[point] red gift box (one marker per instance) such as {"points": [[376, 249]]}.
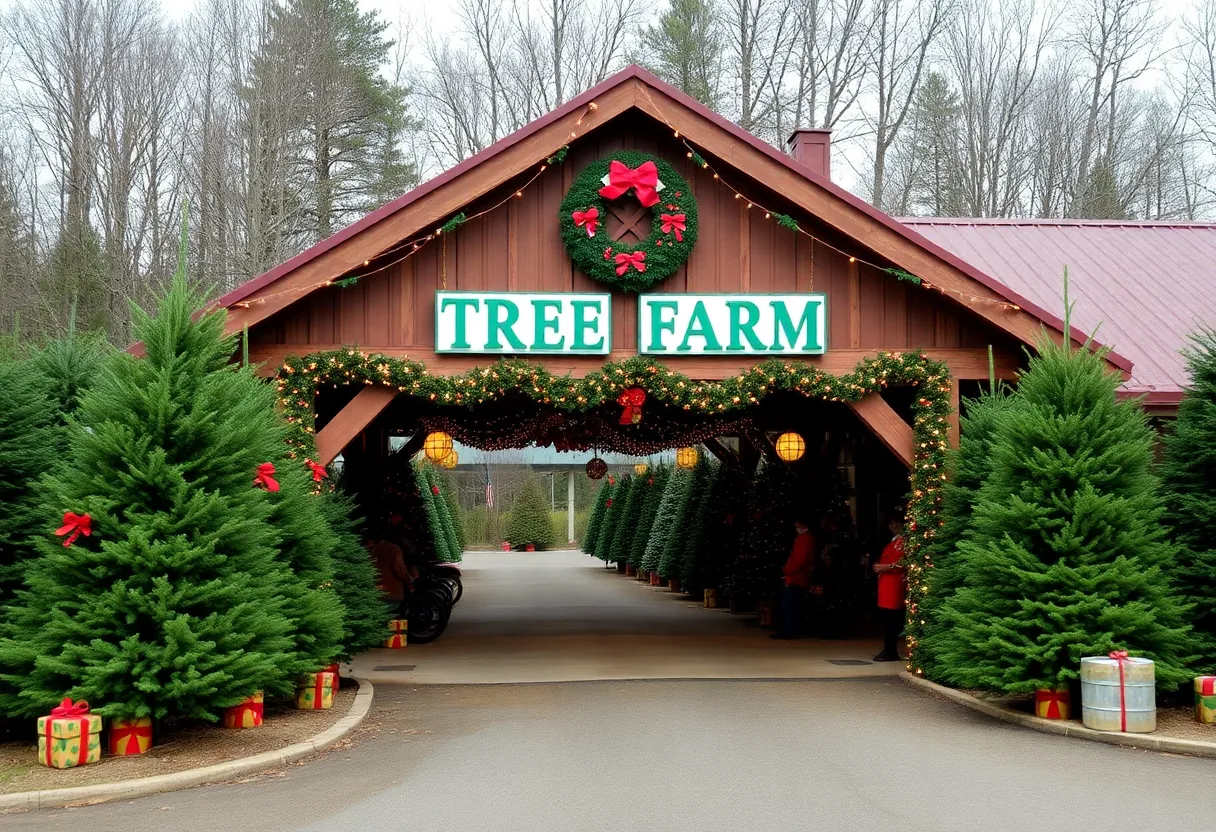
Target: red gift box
{"points": [[334, 669], [129, 737], [248, 714], [1051, 704]]}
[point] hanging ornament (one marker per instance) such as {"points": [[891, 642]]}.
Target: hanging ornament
{"points": [[74, 525], [450, 461], [437, 445], [686, 457], [265, 477], [596, 468], [631, 401], [790, 446], [640, 468]]}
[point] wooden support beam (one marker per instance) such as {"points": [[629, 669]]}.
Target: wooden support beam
{"points": [[414, 444], [952, 419], [351, 420], [891, 430], [724, 454]]}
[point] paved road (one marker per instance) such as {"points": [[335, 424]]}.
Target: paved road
{"points": [[705, 754]]}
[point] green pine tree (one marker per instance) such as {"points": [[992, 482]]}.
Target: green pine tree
{"points": [[1189, 477], [1067, 556], [455, 512], [596, 521], [620, 494], [530, 523], [355, 581], [970, 466], [665, 518], [176, 603], [672, 556], [627, 523], [655, 483], [447, 527], [436, 531]]}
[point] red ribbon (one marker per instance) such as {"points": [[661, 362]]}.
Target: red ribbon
{"points": [[631, 400], [319, 689], [674, 222], [318, 470], [1120, 656], [130, 733], [74, 525], [637, 259], [589, 218], [69, 710], [1207, 686], [642, 180], [265, 477]]}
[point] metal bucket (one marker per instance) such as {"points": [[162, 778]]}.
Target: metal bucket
{"points": [[1100, 695]]}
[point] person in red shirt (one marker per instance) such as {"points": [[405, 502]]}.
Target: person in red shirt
{"points": [[892, 587], [797, 575]]}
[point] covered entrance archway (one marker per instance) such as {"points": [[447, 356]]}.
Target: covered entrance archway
{"points": [[499, 302]]}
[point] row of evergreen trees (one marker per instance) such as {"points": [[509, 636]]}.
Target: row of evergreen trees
{"points": [[193, 586], [1057, 538]]}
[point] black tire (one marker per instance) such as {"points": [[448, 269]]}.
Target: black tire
{"points": [[429, 613]]}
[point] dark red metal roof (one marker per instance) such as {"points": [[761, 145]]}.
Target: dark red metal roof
{"points": [[1143, 287]]}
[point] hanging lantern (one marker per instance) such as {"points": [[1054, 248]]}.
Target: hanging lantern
{"points": [[437, 446], [790, 446], [686, 457], [640, 468], [450, 460], [596, 468]]}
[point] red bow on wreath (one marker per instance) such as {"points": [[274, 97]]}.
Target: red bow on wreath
{"points": [[642, 180], [676, 223], [265, 478], [74, 525], [589, 218], [632, 400], [637, 259], [318, 470]]}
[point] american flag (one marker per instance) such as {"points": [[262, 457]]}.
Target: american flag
{"points": [[489, 496]]}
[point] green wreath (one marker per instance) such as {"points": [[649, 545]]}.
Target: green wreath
{"points": [[631, 267]]}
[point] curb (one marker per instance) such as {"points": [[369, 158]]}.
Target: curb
{"points": [[1067, 728], [218, 773]]}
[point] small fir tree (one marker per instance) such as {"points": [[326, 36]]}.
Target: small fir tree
{"points": [[530, 523], [1067, 555], [683, 532], [1189, 475], [455, 512], [596, 520], [176, 603], [620, 493], [436, 531], [447, 528], [623, 532], [684, 555], [721, 518], [665, 518], [656, 482], [356, 581]]}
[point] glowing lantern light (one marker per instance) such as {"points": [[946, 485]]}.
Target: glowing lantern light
{"points": [[790, 446], [686, 457], [451, 459], [437, 446], [640, 468]]}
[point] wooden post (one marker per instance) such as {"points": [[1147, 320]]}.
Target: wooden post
{"points": [[351, 420], [891, 430]]}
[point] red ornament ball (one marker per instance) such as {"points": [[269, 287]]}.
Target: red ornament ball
{"points": [[596, 468], [435, 490]]}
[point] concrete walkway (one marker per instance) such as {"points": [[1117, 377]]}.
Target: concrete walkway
{"points": [[562, 617]]}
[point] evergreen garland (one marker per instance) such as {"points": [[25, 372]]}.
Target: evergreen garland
{"points": [[596, 521], [656, 482], [1189, 475], [664, 251], [1067, 555]]}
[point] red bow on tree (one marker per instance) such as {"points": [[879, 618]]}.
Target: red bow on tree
{"points": [[674, 222], [265, 478], [642, 180], [74, 525], [318, 470], [435, 490], [631, 400], [637, 259], [588, 219]]}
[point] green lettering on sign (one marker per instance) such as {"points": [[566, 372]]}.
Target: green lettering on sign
{"points": [[460, 340], [546, 324], [747, 328], [784, 325], [501, 324], [584, 324], [658, 326], [700, 327]]}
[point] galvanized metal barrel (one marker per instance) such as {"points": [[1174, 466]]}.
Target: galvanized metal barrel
{"points": [[1103, 705]]}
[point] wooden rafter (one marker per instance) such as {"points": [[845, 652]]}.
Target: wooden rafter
{"points": [[351, 420], [891, 430]]}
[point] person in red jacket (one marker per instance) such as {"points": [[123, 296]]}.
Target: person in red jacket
{"points": [[797, 574], [892, 587]]}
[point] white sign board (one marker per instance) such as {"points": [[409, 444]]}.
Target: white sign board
{"points": [[523, 323], [732, 324]]}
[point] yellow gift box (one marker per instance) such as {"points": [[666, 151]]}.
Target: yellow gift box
{"points": [[129, 737], [398, 625], [1205, 699], [248, 714], [70, 736], [396, 641], [315, 692]]}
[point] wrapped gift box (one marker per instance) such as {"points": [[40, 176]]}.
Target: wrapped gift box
{"points": [[1051, 704], [315, 692], [248, 714], [70, 736], [129, 737], [1205, 699], [396, 641], [398, 625], [334, 669]]}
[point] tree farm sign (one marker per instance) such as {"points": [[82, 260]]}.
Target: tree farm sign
{"points": [[538, 323]]}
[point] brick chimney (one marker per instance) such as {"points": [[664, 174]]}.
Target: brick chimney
{"points": [[813, 148]]}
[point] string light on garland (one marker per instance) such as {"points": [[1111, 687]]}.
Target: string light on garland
{"points": [[437, 445]]}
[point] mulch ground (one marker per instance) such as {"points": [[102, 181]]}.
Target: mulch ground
{"points": [[1172, 721], [178, 747]]}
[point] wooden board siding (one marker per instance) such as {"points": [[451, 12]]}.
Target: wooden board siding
{"points": [[518, 248]]}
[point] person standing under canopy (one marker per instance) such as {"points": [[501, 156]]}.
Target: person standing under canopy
{"points": [[892, 587], [797, 574]]}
